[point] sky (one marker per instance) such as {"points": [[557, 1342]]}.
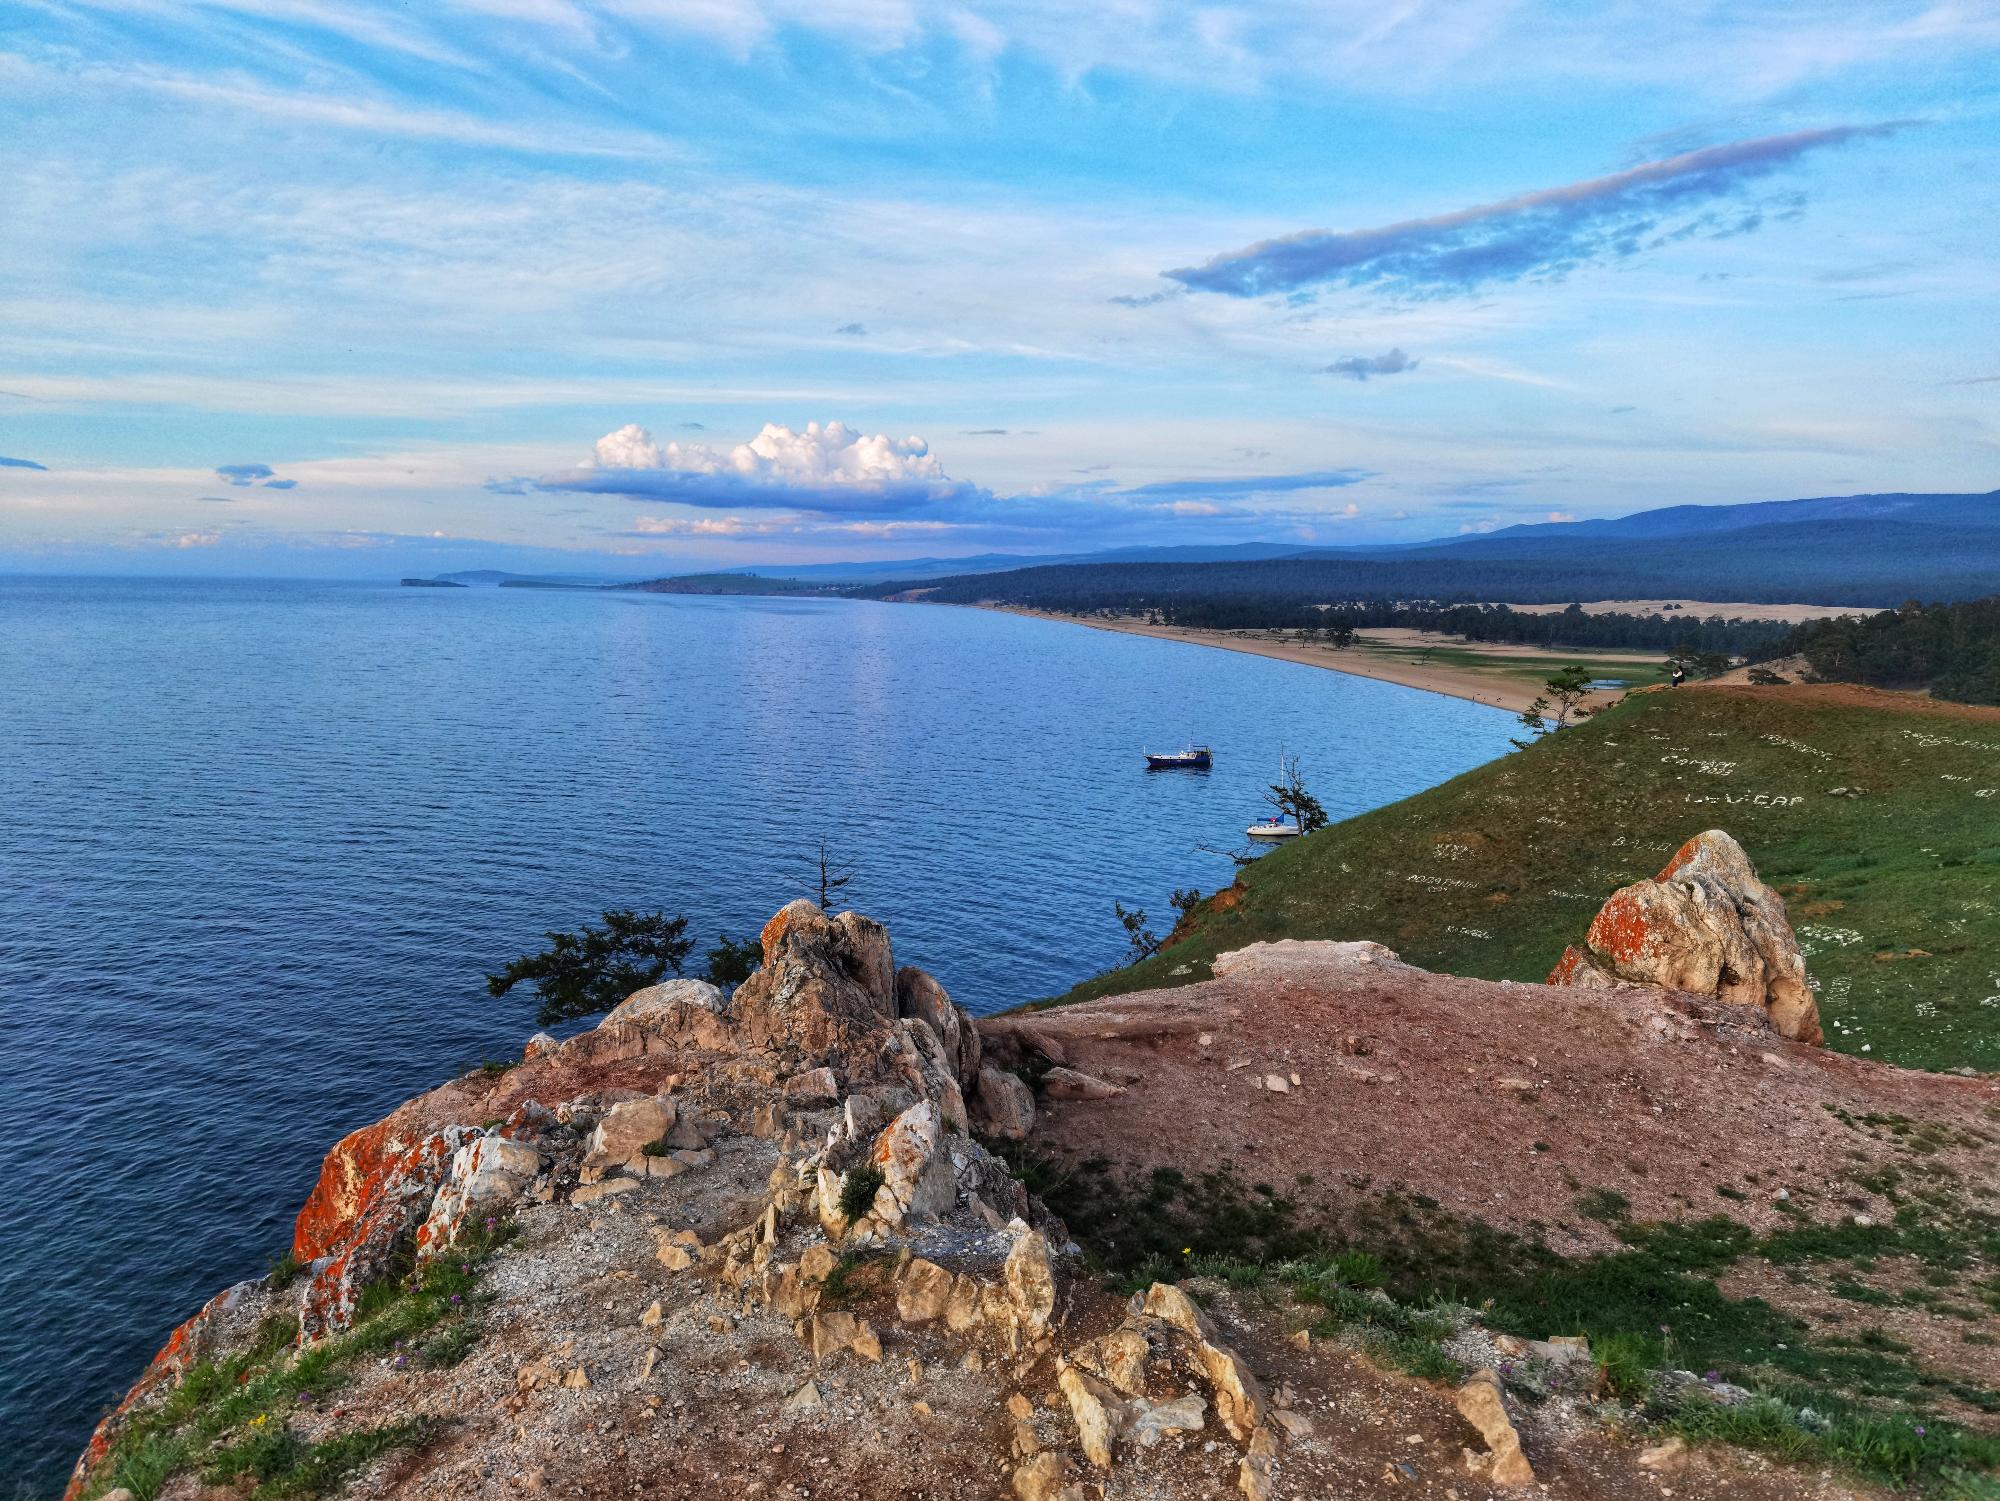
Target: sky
{"points": [[326, 287]]}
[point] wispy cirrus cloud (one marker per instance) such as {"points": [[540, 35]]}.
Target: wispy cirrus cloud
{"points": [[7, 463], [1542, 235], [1250, 484]]}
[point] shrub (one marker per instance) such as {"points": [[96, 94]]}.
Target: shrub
{"points": [[858, 1189]]}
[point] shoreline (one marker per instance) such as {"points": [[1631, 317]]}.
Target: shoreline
{"points": [[1356, 661]]}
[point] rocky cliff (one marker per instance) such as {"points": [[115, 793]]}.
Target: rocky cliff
{"points": [[744, 1245]]}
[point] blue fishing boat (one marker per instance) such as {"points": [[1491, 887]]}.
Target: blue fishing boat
{"points": [[1193, 758]]}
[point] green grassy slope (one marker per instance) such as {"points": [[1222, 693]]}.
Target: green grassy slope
{"points": [[1895, 893]]}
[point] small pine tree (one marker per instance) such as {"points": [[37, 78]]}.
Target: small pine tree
{"points": [[1564, 693], [1143, 941], [1289, 796], [829, 877], [580, 974]]}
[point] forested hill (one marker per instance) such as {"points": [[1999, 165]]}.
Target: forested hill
{"points": [[1867, 562]]}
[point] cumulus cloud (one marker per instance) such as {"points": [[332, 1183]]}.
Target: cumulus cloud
{"points": [[1361, 366], [281, 484], [1542, 235], [829, 468], [7, 463]]}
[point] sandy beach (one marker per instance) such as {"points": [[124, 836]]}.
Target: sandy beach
{"points": [[1501, 676]]}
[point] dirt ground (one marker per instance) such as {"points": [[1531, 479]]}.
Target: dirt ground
{"points": [[1491, 1097]]}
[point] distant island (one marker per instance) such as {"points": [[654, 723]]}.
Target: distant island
{"points": [[432, 584]]}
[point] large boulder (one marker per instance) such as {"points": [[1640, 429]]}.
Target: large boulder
{"points": [[661, 1002], [827, 985], [921, 998], [1705, 925], [1003, 1106]]}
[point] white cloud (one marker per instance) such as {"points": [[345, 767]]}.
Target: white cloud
{"points": [[829, 467]]}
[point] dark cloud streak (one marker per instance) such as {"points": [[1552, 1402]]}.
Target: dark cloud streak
{"points": [[1542, 235], [1360, 367]]}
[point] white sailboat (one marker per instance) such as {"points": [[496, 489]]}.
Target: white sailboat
{"points": [[1275, 828]]}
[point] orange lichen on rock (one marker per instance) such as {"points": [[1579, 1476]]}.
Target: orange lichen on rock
{"points": [[349, 1177], [1707, 926]]}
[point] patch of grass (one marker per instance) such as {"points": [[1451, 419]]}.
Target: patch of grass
{"points": [[227, 1418], [846, 1281], [1625, 1364], [452, 1345], [1556, 828], [284, 1272], [283, 1464], [1605, 1204], [1899, 1451], [146, 1466]]}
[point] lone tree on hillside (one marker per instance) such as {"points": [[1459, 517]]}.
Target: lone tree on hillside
{"points": [[1701, 664], [1143, 941], [1289, 796], [1564, 693], [580, 974]]}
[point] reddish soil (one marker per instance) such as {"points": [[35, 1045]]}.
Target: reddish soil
{"points": [[1502, 1101]]}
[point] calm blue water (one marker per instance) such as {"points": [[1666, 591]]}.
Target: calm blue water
{"points": [[259, 843]]}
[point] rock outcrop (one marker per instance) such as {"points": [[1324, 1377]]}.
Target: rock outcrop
{"points": [[756, 1161], [1704, 925]]}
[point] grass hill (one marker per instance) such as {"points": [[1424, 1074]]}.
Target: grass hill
{"points": [[1876, 815]]}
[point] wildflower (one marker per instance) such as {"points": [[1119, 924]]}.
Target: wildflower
{"points": [[401, 1361], [1187, 1250], [1921, 1430], [1711, 1376], [260, 1420], [454, 1297]]}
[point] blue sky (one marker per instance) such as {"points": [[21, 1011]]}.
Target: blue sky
{"points": [[310, 286]]}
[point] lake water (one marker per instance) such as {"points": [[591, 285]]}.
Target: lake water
{"points": [[260, 841]]}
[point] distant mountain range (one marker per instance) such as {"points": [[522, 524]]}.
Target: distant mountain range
{"points": [[1864, 550], [1861, 550]]}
